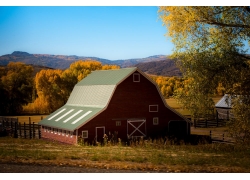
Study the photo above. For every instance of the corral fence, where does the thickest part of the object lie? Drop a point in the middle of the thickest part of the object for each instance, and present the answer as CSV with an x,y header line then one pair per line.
x,y
221,137
11,127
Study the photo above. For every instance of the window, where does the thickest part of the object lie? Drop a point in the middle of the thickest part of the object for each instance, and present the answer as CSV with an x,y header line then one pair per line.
x,y
118,123
71,134
52,130
84,134
45,129
49,129
63,132
59,131
136,77
155,121
55,131
153,108
67,133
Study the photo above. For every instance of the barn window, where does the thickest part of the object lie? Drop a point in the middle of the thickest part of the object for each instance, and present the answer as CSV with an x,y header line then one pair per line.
x,y
153,108
85,134
155,121
67,133
48,129
52,130
45,129
71,134
59,131
118,123
136,77
63,132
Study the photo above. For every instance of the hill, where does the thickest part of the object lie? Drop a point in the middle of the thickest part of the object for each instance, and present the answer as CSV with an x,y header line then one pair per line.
x,y
152,64
160,68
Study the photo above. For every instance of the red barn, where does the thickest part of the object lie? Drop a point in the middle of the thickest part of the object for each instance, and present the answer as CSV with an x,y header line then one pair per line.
x,y
122,103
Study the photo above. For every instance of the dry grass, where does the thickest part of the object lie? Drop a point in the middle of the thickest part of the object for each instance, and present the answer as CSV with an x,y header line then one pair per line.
x,y
146,155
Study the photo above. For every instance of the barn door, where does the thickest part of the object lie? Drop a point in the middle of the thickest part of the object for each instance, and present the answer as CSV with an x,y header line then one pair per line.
x,y
136,128
99,132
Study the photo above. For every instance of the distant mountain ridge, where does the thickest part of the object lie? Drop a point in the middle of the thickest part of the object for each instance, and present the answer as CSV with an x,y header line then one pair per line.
x,y
152,64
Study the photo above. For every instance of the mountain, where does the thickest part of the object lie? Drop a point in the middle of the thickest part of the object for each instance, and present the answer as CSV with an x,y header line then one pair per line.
x,y
152,64
160,68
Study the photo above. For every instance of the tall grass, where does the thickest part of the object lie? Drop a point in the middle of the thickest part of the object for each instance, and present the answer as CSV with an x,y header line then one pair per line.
x,y
143,154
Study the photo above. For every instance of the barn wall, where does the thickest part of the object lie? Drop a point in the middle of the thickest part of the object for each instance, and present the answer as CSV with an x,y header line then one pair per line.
x,y
69,139
132,100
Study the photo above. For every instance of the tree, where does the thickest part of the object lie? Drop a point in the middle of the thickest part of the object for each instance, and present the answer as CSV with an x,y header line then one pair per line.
x,y
16,87
210,48
50,91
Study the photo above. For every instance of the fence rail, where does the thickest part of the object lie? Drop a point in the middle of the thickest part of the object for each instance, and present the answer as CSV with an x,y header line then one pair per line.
x,y
220,137
11,127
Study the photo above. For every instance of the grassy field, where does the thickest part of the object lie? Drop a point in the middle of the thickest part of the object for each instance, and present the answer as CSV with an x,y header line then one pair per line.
x,y
145,156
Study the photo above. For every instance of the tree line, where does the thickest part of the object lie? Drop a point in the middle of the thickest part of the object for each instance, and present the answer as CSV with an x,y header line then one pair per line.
x,y
21,92
50,89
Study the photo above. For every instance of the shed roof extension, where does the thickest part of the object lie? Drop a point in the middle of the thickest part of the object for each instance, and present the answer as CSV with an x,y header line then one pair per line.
x,y
88,98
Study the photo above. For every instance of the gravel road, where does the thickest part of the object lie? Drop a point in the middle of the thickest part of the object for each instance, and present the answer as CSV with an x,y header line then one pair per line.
x,y
24,168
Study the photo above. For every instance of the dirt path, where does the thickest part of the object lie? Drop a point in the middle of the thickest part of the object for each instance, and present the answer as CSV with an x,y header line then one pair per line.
x,y
23,168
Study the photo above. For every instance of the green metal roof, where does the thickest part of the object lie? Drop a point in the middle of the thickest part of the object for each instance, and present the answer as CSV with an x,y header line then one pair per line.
x,y
106,77
88,98
69,117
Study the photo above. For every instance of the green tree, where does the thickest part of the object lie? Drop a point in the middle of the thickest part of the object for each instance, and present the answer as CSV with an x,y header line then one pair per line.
x,y
16,87
210,48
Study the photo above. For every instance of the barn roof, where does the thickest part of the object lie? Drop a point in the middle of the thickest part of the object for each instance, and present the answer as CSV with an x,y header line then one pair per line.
x,y
224,102
88,98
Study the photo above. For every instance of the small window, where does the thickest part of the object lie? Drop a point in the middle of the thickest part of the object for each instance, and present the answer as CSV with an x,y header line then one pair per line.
x,y
155,121
45,129
118,123
153,108
48,129
136,77
55,131
63,133
59,131
67,133
71,134
84,134
52,130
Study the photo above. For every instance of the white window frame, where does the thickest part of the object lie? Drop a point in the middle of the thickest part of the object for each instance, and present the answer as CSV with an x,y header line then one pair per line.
x,y
87,132
118,123
156,105
155,121
135,78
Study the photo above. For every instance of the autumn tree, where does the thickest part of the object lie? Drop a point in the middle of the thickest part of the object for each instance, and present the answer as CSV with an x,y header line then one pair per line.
x,y
16,87
210,47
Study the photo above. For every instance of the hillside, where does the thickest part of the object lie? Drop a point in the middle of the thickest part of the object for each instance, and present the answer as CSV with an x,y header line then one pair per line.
x,y
160,68
158,64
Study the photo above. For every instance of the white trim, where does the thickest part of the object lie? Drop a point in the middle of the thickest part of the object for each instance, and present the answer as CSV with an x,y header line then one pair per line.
x,y
86,131
134,77
156,105
64,115
57,114
85,114
136,128
103,127
72,116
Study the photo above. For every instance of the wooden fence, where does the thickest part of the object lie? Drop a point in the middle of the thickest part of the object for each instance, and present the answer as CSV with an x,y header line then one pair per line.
x,y
11,127
206,123
221,137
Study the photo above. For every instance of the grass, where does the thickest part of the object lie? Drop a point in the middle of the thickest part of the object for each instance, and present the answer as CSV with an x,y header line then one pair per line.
x,y
146,155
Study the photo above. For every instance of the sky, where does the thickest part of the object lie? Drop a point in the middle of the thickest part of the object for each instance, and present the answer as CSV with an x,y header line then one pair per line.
x,y
110,31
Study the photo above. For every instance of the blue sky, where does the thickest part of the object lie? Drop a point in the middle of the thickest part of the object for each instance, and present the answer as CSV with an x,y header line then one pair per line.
x,y
111,32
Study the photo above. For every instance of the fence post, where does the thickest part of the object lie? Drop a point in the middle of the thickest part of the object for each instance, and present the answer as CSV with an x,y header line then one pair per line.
x,y
24,127
20,130
34,132
39,132
30,128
